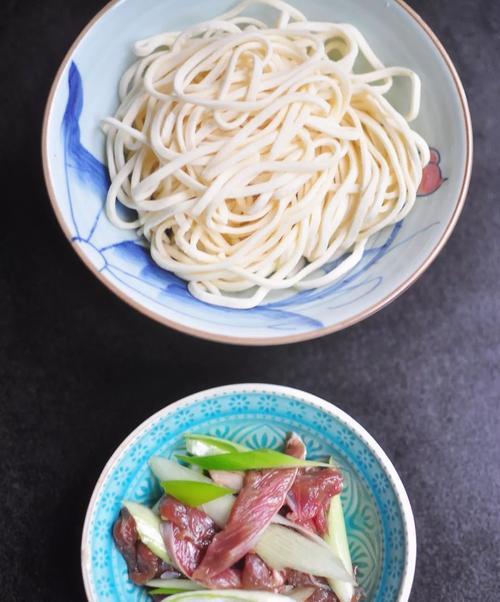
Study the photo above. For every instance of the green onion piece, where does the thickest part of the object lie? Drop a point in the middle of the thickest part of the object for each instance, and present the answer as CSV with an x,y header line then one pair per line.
x,y
282,548
337,538
211,445
165,591
148,528
193,493
250,460
180,585
229,595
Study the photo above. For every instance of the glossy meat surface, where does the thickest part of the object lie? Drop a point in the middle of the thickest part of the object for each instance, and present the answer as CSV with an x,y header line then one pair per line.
x,y
322,595
142,564
187,533
258,576
309,498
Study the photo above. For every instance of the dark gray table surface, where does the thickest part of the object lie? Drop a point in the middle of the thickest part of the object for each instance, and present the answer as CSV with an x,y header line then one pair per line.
x,y
79,369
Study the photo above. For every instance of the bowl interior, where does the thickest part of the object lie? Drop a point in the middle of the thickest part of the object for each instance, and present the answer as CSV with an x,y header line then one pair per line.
x,y
379,522
86,91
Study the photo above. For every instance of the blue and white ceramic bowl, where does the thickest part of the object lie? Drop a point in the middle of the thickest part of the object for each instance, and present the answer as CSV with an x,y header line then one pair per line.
x,y
380,523
85,91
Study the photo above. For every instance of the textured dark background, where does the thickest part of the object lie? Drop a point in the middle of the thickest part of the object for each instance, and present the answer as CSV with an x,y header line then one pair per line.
x,y
79,369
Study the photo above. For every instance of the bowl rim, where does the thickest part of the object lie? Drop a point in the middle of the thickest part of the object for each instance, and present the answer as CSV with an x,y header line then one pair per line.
x,y
275,340
292,393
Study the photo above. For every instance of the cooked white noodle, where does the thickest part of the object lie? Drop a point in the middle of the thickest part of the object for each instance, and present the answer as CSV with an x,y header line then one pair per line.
x,y
254,154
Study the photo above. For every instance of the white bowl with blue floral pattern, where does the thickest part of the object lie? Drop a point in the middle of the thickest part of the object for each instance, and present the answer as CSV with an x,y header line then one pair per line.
x,y
85,91
379,519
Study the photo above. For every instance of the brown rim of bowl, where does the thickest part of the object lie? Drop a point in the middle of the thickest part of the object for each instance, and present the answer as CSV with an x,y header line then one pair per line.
x,y
292,338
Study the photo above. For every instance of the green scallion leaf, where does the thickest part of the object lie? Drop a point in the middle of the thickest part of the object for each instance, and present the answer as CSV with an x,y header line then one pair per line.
x,y
251,460
194,493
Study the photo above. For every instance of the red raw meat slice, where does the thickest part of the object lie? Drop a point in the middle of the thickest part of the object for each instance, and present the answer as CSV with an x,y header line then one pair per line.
x,y
126,537
295,446
322,595
182,551
228,579
142,564
310,496
230,479
263,494
299,579
148,565
195,525
258,576
187,534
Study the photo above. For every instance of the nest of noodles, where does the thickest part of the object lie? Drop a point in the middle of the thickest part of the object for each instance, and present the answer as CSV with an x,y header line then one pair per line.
x,y
254,154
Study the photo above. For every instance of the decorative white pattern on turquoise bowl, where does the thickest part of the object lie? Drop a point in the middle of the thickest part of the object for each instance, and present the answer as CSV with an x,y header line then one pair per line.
x,y
85,91
380,523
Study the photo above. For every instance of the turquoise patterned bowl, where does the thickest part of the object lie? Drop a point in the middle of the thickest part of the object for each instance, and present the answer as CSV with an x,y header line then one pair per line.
x,y
379,519
85,91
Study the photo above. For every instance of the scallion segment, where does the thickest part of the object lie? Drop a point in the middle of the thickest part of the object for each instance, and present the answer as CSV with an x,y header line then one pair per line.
x,y
229,595
206,445
258,459
181,585
281,548
337,538
193,493
165,591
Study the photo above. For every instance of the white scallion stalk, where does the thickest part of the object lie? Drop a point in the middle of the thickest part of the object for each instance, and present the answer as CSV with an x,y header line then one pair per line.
x,y
174,584
148,528
282,548
219,510
337,538
229,595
